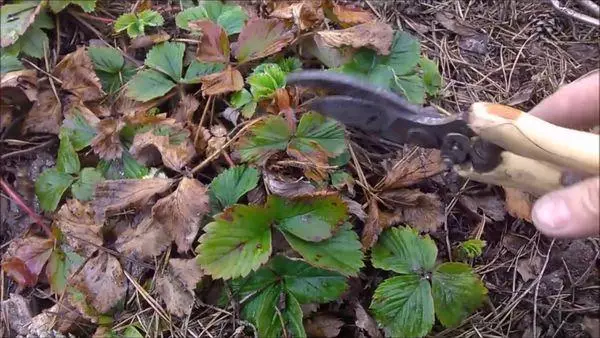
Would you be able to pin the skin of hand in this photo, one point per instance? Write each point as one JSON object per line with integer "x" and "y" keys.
{"x": 573, "y": 211}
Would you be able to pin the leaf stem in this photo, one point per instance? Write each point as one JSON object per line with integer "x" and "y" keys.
{"x": 15, "y": 197}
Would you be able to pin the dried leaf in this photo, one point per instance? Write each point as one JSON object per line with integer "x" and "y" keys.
{"x": 518, "y": 203}
{"x": 491, "y": 206}
{"x": 172, "y": 142}
{"x": 25, "y": 258}
{"x": 147, "y": 239}
{"x": 447, "y": 20}
{"x": 323, "y": 326}
{"x": 45, "y": 116}
{"x": 78, "y": 76}
{"x": 182, "y": 211}
{"x": 186, "y": 107}
{"x": 415, "y": 208}
{"x": 260, "y": 38}
{"x": 591, "y": 326}
{"x": 416, "y": 165}
{"x": 217, "y": 139}
{"x": 374, "y": 35}
{"x": 355, "y": 208}
{"x": 103, "y": 283}
{"x": 530, "y": 268}
{"x": 107, "y": 143}
{"x": 176, "y": 286}
{"x": 285, "y": 187}
{"x": 146, "y": 41}
{"x": 76, "y": 221}
{"x": 345, "y": 15}
{"x": 214, "y": 44}
{"x": 373, "y": 226}
{"x": 331, "y": 57}
{"x": 365, "y": 322}
{"x": 305, "y": 15}
{"x": 17, "y": 90}
{"x": 228, "y": 80}
{"x": 116, "y": 195}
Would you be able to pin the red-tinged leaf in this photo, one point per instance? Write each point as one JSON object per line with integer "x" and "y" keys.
{"x": 229, "y": 80}
{"x": 260, "y": 38}
{"x": 214, "y": 44}
{"x": 25, "y": 259}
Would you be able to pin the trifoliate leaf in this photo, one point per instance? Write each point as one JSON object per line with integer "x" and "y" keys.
{"x": 230, "y": 185}
{"x": 264, "y": 139}
{"x": 260, "y": 38}
{"x": 50, "y": 187}
{"x": 471, "y": 248}
{"x": 135, "y": 23}
{"x": 264, "y": 83}
{"x": 432, "y": 80}
{"x": 83, "y": 188}
{"x": 148, "y": 84}
{"x": 9, "y": 63}
{"x": 237, "y": 242}
{"x": 308, "y": 218}
{"x": 341, "y": 253}
{"x": 124, "y": 21}
{"x": 167, "y": 58}
{"x": 411, "y": 86}
{"x": 58, "y": 5}
{"x": 457, "y": 292}
{"x": 402, "y": 250}
{"x": 229, "y": 16}
{"x": 79, "y": 131}
{"x": 67, "y": 160}
{"x": 318, "y": 138}
{"x": 403, "y": 304}
{"x": 198, "y": 69}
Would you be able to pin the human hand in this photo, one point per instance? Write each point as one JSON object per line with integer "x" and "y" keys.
{"x": 573, "y": 211}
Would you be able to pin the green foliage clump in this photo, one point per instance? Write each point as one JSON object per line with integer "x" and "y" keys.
{"x": 229, "y": 16}
{"x": 470, "y": 249}
{"x": 135, "y": 23}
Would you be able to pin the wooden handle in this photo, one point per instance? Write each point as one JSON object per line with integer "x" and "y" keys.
{"x": 531, "y": 137}
{"x": 519, "y": 172}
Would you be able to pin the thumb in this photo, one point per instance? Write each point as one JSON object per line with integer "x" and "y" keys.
{"x": 570, "y": 212}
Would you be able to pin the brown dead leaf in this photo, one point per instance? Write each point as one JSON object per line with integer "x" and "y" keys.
{"x": 305, "y": 14}
{"x": 530, "y": 268}
{"x": 591, "y": 326}
{"x": 415, "y": 208}
{"x": 107, "y": 143}
{"x": 148, "y": 238}
{"x": 365, "y": 322}
{"x": 229, "y": 80}
{"x": 260, "y": 38}
{"x": 103, "y": 283}
{"x": 176, "y": 286}
{"x": 146, "y": 41}
{"x": 323, "y": 326}
{"x": 19, "y": 86}
{"x": 415, "y": 165}
{"x": 373, "y": 226}
{"x": 186, "y": 107}
{"x": 491, "y": 206}
{"x": 214, "y": 44}
{"x": 470, "y": 38}
{"x": 78, "y": 76}
{"x": 16, "y": 312}
{"x": 116, "y": 195}
{"x": 216, "y": 140}
{"x": 374, "y": 35}
{"x": 25, "y": 258}
{"x": 513, "y": 243}
{"x": 346, "y": 15}
{"x": 286, "y": 187}
{"x": 182, "y": 211}
{"x": 76, "y": 221}
{"x": 74, "y": 106}
{"x": 518, "y": 203}
{"x": 331, "y": 57}
{"x": 61, "y": 317}
{"x": 172, "y": 141}
{"x": 45, "y": 116}
{"x": 355, "y": 208}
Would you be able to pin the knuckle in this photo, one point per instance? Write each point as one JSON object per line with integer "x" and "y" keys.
{"x": 590, "y": 199}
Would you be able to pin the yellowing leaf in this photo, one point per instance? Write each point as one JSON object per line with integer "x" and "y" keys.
{"x": 260, "y": 38}
{"x": 176, "y": 286}
{"x": 77, "y": 74}
{"x": 228, "y": 80}
{"x": 172, "y": 142}
{"x": 214, "y": 44}
{"x": 374, "y": 35}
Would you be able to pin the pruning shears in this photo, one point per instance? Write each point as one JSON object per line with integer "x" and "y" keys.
{"x": 489, "y": 143}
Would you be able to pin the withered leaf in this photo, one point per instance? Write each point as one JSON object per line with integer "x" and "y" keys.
{"x": 78, "y": 76}
{"x": 345, "y": 15}
{"x": 374, "y": 35}
{"x": 373, "y": 226}
{"x": 330, "y": 56}
{"x": 172, "y": 142}
{"x": 323, "y": 326}
{"x": 147, "y": 239}
{"x": 217, "y": 139}
{"x": 176, "y": 286}
{"x": 415, "y": 208}
{"x": 491, "y": 206}
{"x": 214, "y": 44}
{"x": 355, "y": 208}
{"x": 184, "y": 112}
{"x": 145, "y": 41}
{"x": 286, "y": 187}
{"x": 25, "y": 258}
{"x": 45, "y": 116}
{"x": 416, "y": 165}
{"x": 182, "y": 211}
{"x": 116, "y": 195}
{"x": 18, "y": 87}
{"x": 305, "y": 14}
{"x": 76, "y": 221}
{"x": 518, "y": 203}
{"x": 366, "y": 322}
{"x": 107, "y": 143}
{"x": 229, "y": 80}
{"x": 260, "y": 38}
{"x": 103, "y": 283}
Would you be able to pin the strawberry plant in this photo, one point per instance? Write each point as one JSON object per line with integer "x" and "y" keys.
{"x": 470, "y": 249}
{"x": 406, "y": 304}
{"x": 136, "y": 23}
{"x": 229, "y": 16}
{"x": 110, "y": 67}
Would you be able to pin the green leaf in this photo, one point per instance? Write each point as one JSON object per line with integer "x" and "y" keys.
{"x": 471, "y": 248}
{"x": 198, "y": 69}
{"x": 341, "y": 179}
{"x": 9, "y": 63}
{"x": 411, "y": 86}
{"x": 318, "y": 137}
{"x": 403, "y": 304}
{"x": 249, "y": 109}
{"x": 57, "y": 271}
{"x": 341, "y": 253}
{"x": 31, "y": 43}
{"x": 79, "y": 131}
{"x": 402, "y": 250}
{"x": 88, "y": 6}
{"x": 50, "y": 186}
{"x": 264, "y": 138}
{"x": 230, "y": 185}
{"x": 341, "y": 159}
{"x": 106, "y": 59}
{"x": 310, "y": 218}
{"x": 132, "y": 332}
{"x": 167, "y": 58}
{"x": 236, "y": 242}
{"x": 151, "y": 18}
{"x": 132, "y": 168}
{"x": 14, "y": 20}
{"x": 135, "y": 23}
{"x": 457, "y": 292}
{"x": 290, "y": 64}
{"x": 263, "y": 84}
{"x": 432, "y": 80}
{"x": 148, "y": 84}
{"x": 112, "y": 82}
{"x": 67, "y": 160}
{"x": 404, "y": 53}
{"x": 83, "y": 189}
{"x": 124, "y": 21}
{"x": 240, "y": 98}
{"x": 229, "y": 16}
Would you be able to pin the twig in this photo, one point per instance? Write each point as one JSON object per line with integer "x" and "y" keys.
{"x": 24, "y": 151}
{"x": 15, "y": 197}
{"x": 202, "y": 118}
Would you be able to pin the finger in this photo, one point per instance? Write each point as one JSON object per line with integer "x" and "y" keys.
{"x": 570, "y": 212}
{"x": 575, "y": 105}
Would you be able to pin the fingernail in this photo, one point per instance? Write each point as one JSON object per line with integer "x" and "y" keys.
{"x": 551, "y": 213}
